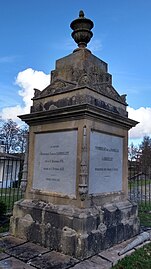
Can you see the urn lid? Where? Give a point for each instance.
(81, 27)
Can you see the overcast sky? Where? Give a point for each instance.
(35, 33)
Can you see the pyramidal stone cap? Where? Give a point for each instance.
(81, 27)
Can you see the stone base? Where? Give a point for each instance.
(77, 232)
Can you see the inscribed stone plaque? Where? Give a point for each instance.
(106, 159)
(55, 162)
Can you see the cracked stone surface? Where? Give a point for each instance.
(112, 253)
(95, 262)
(26, 251)
(12, 263)
(17, 254)
(53, 260)
(3, 256)
(10, 241)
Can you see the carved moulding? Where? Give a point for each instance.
(36, 107)
(57, 86)
(23, 184)
(83, 185)
(76, 100)
(109, 91)
(85, 80)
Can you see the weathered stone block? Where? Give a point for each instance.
(77, 232)
(120, 232)
(112, 215)
(52, 238)
(110, 238)
(34, 233)
(95, 240)
(69, 241)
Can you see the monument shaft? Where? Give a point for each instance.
(76, 195)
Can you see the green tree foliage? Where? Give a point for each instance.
(13, 137)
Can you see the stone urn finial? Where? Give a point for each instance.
(82, 30)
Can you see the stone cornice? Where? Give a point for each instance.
(77, 112)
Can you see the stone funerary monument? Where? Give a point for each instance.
(76, 196)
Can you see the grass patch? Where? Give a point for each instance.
(140, 259)
(145, 218)
(4, 228)
(10, 200)
(4, 218)
(144, 213)
(9, 196)
(138, 183)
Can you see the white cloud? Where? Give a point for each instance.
(27, 80)
(143, 116)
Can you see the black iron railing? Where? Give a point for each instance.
(139, 185)
(11, 167)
